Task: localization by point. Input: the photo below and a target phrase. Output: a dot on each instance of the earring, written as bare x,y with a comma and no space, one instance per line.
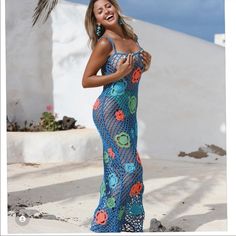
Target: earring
121,21
99,30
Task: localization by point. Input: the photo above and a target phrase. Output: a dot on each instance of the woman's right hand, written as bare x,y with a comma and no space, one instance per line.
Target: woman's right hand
125,65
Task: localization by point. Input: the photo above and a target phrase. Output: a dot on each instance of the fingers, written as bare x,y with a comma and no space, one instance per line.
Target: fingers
122,61
145,64
146,58
130,60
126,64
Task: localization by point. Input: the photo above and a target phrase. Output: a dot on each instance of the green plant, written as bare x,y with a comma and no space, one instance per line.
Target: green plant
48,122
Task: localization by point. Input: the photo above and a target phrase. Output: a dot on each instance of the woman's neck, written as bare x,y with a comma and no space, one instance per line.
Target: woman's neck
116,32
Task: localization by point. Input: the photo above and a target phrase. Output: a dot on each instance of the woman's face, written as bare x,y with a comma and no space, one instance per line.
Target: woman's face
105,13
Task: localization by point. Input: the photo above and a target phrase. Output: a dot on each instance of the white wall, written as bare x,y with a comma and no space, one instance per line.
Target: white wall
45,63
29,62
182,96
70,54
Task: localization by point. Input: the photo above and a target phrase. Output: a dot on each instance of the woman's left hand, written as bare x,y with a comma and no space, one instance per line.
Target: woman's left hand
146,58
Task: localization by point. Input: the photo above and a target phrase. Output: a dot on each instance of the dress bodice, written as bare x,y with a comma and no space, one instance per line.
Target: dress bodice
133,78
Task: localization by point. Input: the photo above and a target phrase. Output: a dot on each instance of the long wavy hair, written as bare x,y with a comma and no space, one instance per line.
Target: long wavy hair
90,23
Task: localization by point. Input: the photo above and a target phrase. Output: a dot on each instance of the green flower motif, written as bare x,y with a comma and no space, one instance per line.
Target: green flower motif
121,213
102,189
111,202
106,157
123,140
132,104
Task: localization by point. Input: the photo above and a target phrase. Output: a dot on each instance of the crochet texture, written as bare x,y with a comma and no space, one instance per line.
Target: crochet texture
120,206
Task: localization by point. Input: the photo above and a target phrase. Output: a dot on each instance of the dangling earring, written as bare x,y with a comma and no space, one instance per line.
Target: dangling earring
121,21
99,30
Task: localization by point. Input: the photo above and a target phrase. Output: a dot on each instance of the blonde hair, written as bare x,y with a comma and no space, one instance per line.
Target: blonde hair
90,23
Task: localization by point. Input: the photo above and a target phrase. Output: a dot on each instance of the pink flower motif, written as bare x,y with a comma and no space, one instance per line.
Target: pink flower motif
111,153
49,108
96,104
120,115
138,159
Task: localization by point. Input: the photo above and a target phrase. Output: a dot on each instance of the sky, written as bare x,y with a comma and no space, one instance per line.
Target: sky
200,18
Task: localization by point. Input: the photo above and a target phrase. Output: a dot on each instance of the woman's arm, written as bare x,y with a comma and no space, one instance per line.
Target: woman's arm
97,59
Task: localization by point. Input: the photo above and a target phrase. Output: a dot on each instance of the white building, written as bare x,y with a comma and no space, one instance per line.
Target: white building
220,39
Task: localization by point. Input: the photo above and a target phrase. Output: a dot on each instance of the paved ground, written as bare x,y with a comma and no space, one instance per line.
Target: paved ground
191,195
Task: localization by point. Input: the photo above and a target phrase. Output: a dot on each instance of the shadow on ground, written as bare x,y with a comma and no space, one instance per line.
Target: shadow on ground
205,180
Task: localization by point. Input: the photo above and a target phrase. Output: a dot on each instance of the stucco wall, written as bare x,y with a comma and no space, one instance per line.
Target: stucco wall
70,54
29,62
182,96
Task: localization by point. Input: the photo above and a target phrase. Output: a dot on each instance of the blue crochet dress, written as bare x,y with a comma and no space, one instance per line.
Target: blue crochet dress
120,206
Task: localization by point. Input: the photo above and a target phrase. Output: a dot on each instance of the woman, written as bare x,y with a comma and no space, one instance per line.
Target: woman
122,61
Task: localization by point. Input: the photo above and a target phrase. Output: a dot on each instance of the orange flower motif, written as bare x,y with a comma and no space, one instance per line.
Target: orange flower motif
111,153
136,189
138,159
101,217
96,104
136,75
120,115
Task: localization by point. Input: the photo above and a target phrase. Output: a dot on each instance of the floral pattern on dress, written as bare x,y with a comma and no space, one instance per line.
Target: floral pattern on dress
136,75
136,189
106,157
111,153
111,202
113,180
138,158
120,116
132,103
118,88
123,140
129,167
96,104
101,217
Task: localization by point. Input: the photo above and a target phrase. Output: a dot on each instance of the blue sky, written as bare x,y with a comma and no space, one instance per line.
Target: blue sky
200,18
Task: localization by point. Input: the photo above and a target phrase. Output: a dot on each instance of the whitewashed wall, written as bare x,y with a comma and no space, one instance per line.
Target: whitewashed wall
70,54
181,97
29,62
45,63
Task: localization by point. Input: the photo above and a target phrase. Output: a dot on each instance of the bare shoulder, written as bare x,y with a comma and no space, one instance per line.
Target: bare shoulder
103,46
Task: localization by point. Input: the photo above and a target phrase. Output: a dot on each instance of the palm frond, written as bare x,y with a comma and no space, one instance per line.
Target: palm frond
43,9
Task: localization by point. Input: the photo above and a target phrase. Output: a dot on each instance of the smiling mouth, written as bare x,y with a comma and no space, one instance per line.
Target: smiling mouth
110,18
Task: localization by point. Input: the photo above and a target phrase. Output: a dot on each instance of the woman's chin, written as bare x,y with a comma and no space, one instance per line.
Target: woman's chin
110,24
